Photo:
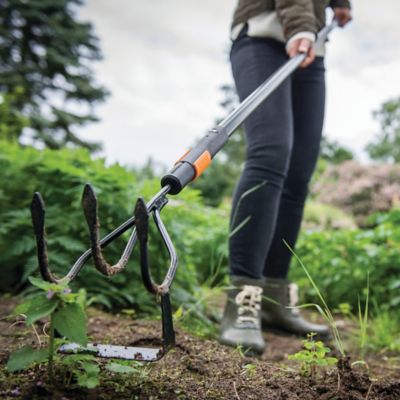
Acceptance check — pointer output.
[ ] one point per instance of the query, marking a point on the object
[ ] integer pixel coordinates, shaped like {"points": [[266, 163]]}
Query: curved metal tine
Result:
{"points": [[89, 204], [38, 217], [142, 227], [169, 277]]}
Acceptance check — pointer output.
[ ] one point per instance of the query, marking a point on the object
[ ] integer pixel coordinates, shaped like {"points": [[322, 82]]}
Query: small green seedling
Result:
{"points": [[66, 311], [249, 370], [313, 356]]}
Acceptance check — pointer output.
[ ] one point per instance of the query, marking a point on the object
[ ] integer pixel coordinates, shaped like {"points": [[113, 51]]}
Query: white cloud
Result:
{"points": [[166, 59]]}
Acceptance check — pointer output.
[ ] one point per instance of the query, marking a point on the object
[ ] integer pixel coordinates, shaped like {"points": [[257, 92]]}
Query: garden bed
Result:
{"points": [[197, 369]]}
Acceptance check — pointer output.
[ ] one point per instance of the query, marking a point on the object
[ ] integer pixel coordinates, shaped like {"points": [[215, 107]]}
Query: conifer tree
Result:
{"points": [[45, 56], [386, 145]]}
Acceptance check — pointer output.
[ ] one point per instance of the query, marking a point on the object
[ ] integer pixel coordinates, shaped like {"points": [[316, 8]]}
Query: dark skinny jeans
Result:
{"points": [[283, 137]]}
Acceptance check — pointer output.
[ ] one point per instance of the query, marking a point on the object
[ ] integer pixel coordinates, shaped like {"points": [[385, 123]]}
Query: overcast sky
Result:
{"points": [[165, 60]]}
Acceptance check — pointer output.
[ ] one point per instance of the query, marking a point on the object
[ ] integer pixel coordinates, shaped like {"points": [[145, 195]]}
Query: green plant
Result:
{"points": [[363, 321], [313, 356], [199, 233], [341, 260], [383, 331], [66, 311], [249, 370], [325, 310], [83, 367], [46, 52]]}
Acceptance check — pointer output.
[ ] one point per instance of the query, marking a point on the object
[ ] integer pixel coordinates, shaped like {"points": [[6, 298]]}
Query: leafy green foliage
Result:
{"points": [[70, 321], [313, 356], [341, 260], [68, 317], [333, 152], [386, 145], [324, 310], [199, 233], [45, 54], [83, 368], [319, 216], [88, 375], [25, 357], [39, 307], [383, 331], [120, 368], [12, 122]]}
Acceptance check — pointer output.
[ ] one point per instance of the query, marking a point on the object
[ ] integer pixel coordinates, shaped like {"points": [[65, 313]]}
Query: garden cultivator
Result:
{"points": [[189, 167]]}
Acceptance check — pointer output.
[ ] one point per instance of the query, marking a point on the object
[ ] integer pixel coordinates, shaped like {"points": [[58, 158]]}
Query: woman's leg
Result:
{"points": [[308, 94], [269, 136], [308, 103], [269, 141]]}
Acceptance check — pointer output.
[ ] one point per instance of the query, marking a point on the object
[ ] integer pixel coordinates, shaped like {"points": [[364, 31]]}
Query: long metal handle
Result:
{"points": [[248, 105], [192, 164]]}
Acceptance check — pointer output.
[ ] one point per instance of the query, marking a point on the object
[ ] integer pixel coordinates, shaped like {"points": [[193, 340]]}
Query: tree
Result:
{"points": [[11, 121], [386, 146], [45, 55], [333, 152]]}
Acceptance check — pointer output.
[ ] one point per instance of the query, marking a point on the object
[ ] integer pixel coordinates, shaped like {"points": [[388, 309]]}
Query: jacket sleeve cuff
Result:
{"points": [[340, 3], [301, 35]]}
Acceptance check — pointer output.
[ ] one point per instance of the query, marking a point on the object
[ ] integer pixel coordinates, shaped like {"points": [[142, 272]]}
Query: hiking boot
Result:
{"points": [[276, 316], [241, 323]]}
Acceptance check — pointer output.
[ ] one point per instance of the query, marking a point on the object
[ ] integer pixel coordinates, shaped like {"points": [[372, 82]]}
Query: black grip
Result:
{"points": [[186, 170], [178, 177]]}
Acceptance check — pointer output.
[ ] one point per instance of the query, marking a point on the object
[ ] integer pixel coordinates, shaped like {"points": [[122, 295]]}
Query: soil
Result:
{"points": [[197, 368]]}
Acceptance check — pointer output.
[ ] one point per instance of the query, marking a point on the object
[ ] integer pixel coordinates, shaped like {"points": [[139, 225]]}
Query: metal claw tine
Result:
{"points": [[89, 204], [142, 229], [38, 217]]}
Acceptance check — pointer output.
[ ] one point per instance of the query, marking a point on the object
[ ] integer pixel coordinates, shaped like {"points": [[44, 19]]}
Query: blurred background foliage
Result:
{"points": [[351, 226], [337, 252], [45, 55], [198, 232]]}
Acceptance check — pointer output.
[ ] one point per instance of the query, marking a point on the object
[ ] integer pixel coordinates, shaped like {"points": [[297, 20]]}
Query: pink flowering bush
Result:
{"points": [[359, 189]]}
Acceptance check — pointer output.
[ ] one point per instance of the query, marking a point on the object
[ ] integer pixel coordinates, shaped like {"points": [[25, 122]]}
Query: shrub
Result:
{"points": [[359, 189], [199, 233], [339, 261], [319, 216]]}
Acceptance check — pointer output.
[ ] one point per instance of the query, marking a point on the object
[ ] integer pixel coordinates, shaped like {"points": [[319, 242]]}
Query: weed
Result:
{"points": [[325, 311], [249, 370], [68, 318], [313, 356], [363, 320], [384, 331], [239, 350]]}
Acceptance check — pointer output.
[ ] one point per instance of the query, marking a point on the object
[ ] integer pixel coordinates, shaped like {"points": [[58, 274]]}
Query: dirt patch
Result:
{"points": [[195, 369]]}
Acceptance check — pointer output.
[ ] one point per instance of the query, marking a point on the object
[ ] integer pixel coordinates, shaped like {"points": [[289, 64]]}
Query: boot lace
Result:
{"points": [[249, 302]]}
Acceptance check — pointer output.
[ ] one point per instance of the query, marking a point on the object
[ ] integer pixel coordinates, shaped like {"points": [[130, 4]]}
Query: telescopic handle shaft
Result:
{"points": [[196, 160], [250, 103]]}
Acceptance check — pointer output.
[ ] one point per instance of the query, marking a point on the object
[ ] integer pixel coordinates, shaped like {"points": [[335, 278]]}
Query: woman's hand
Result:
{"points": [[342, 15], [302, 46]]}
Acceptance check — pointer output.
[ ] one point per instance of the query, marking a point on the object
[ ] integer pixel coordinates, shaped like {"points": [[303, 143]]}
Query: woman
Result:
{"points": [[283, 137]]}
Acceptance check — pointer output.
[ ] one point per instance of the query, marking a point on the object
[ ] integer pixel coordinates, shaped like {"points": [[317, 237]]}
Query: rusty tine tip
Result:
{"points": [[37, 212], [88, 193], [141, 219], [89, 204]]}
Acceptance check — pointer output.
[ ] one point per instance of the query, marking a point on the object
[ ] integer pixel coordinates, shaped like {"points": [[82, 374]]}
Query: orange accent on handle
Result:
{"points": [[186, 153], [202, 163]]}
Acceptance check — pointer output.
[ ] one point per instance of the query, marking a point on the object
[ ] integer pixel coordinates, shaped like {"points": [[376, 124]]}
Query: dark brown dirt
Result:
{"points": [[196, 369]]}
